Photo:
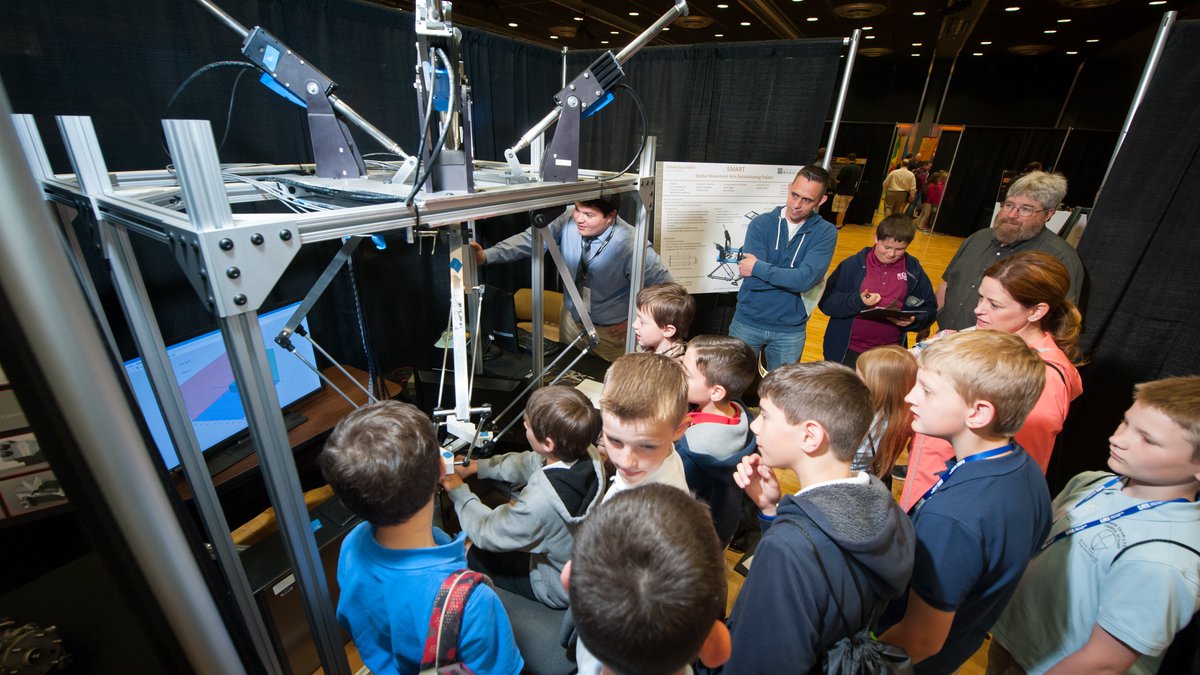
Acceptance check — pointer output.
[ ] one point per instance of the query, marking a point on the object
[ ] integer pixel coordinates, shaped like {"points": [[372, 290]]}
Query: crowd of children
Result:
{"points": [[1100, 579]]}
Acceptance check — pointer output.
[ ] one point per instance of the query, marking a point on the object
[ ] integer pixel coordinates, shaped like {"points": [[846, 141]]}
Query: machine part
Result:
{"points": [[30, 649]]}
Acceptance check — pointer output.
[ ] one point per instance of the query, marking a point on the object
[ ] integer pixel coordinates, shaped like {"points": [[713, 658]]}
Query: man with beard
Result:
{"points": [[1020, 225]]}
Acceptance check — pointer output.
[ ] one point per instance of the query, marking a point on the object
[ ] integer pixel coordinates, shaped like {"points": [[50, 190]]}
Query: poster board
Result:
{"points": [[698, 203]]}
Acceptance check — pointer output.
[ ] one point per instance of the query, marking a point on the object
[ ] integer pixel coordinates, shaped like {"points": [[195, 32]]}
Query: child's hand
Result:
{"points": [[870, 299], [759, 483], [451, 481], [467, 471]]}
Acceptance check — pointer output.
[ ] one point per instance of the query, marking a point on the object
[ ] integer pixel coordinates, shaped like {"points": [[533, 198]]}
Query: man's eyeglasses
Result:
{"points": [[1023, 209]]}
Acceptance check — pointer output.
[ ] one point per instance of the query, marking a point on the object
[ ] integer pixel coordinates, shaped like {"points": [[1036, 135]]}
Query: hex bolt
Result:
{"points": [[239, 299], [285, 235], [226, 244], [233, 273], [256, 239]]}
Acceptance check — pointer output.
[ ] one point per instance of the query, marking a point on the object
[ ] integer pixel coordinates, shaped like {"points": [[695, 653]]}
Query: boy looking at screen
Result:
{"points": [[664, 316]]}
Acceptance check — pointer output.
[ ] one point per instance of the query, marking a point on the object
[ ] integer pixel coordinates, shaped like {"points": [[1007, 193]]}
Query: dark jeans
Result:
{"points": [[509, 570]]}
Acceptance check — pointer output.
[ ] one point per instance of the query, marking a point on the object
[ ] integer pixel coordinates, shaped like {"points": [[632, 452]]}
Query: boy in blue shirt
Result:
{"points": [[977, 527], [1119, 574], [719, 369], [383, 461]]}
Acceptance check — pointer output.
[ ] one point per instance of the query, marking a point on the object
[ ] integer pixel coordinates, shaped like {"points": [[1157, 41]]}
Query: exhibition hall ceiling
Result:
{"points": [[902, 28]]}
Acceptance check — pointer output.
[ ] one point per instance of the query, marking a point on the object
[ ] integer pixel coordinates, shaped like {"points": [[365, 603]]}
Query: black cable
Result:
{"points": [[229, 113], [190, 78], [645, 132], [424, 129], [441, 142]]}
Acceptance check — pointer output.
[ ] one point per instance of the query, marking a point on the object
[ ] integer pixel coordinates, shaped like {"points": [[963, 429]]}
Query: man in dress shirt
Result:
{"points": [[598, 251]]}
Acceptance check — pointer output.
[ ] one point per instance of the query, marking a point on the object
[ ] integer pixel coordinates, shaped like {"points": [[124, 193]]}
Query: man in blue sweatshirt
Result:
{"points": [[787, 253]]}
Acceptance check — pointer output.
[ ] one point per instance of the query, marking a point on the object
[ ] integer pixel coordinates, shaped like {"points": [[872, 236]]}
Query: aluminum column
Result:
{"points": [[843, 91], [645, 201]]}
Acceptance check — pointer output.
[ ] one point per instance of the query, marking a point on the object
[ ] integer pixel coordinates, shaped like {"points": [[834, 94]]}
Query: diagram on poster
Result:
{"points": [[703, 212]]}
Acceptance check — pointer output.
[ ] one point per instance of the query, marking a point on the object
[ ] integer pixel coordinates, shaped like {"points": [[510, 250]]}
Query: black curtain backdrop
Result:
{"points": [[983, 155], [870, 141], [1085, 156], [760, 103]]}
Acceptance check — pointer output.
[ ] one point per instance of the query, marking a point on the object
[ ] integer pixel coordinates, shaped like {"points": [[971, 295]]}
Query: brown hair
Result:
{"points": [[647, 580], [565, 415], [1179, 399], [890, 373], [383, 461], [898, 227], [645, 387], [828, 393], [725, 361], [1034, 277], [816, 173], [670, 304], [988, 365]]}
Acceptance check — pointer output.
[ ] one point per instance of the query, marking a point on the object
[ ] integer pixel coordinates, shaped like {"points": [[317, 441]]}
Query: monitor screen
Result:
{"points": [[206, 378]]}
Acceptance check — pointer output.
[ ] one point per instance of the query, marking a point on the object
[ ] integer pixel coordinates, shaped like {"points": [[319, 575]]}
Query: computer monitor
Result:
{"points": [[210, 394]]}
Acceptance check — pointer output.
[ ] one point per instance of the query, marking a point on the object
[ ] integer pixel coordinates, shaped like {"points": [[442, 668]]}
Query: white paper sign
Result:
{"points": [[699, 203]]}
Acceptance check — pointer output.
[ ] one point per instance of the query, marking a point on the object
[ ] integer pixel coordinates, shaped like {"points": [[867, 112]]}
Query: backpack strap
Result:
{"points": [[1152, 541], [445, 623], [1057, 369]]}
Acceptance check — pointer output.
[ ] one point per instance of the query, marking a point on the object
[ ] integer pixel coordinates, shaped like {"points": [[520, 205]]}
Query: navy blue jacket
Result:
{"points": [[771, 298], [842, 300], [711, 478]]}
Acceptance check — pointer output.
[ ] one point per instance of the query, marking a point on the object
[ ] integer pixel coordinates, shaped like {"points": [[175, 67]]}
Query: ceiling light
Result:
{"points": [[722, 6], [870, 37], [719, 35], [986, 42], [553, 37], [666, 28], [1012, 9], [976, 53], [1064, 21], [918, 44], [604, 42], [811, 19], [512, 24], [633, 14], [1159, 2], [868, 27], [1049, 32], [918, 14], [1093, 40], [915, 54], [745, 23], [614, 32], [1072, 53], [577, 18]]}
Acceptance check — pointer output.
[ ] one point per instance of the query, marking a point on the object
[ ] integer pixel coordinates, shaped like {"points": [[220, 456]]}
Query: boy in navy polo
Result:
{"points": [[980, 524], [883, 275]]}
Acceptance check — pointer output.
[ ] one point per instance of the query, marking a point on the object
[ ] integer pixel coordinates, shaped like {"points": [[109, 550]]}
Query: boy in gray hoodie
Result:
{"points": [[524, 545]]}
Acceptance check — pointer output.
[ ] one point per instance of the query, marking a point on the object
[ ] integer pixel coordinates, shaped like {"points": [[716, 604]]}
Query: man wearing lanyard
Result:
{"points": [[597, 247], [1120, 572], [979, 525]]}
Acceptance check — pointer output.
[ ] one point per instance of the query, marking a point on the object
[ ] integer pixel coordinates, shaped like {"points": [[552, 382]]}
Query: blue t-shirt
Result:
{"points": [[975, 536], [387, 597]]}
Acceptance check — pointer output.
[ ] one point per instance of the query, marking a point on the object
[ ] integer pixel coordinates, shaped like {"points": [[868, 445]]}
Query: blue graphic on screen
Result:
{"points": [[210, 394]]}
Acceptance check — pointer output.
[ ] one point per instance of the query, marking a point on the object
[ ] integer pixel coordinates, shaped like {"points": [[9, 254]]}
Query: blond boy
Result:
{"points": [[643, 411], [664, 316], [980, 524], [1110, 596]]}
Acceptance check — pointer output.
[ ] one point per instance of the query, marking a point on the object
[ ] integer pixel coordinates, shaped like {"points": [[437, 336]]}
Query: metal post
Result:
{"points": [[640, 236], [537, 259], [843, 90], [83, 146], [1160, 43], [47, 303], [195, 156]]}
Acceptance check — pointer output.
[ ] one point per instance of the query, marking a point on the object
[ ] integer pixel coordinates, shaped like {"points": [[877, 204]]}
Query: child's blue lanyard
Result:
{"points": [[995, 452], [1143, 506]]}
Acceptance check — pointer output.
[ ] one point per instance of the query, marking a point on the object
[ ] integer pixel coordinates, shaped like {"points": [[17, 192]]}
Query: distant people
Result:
{"points": [[838, 547], [1116, 578], [847, 186], [890, 372], [979, 525], [1032, 166], [524, 545], [933, 200], [899, 189], [664, 317], [921, 173], [787, 253], [883, 276], [719, 370], [598, 250], [1023, 294], [384, 462], [647, 584], [1020, 225]]}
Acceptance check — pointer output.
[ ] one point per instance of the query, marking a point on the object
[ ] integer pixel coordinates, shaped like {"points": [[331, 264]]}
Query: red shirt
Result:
{"points": [[891, 282]]}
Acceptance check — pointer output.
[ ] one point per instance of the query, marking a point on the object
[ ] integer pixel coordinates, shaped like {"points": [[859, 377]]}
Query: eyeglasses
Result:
{"points": [[1023, 209]]}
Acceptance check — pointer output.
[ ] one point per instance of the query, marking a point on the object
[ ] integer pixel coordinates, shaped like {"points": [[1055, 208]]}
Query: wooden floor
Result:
{"points": [[934, 252]]}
